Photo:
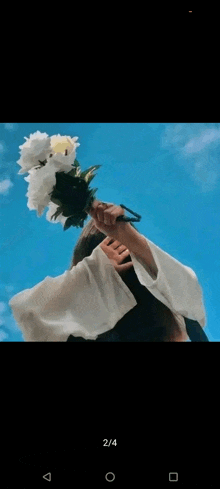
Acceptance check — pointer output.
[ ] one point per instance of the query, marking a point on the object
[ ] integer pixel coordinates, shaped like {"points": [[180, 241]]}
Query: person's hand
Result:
{"points": [[105, 216], [116, 253]]}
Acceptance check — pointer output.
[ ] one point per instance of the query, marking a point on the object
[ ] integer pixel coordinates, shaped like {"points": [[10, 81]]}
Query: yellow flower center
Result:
{"points": [[60, 144]]}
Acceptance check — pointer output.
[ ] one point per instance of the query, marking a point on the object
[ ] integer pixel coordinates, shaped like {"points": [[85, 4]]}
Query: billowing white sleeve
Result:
{"points": [[85, 301], [176, 285]]}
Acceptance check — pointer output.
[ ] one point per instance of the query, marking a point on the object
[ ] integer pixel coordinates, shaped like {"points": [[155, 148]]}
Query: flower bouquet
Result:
{"points": [[56, 181]]}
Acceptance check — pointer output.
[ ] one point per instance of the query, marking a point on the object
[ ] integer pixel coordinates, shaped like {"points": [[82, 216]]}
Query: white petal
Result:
{"points": [[52, 209]]}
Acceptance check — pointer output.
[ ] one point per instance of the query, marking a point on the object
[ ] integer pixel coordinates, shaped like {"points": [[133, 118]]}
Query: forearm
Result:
{"points": [[124, 233], [137, 244]]}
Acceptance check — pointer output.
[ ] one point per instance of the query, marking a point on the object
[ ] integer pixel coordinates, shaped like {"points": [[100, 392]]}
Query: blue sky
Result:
{"points": [[166, 172]]}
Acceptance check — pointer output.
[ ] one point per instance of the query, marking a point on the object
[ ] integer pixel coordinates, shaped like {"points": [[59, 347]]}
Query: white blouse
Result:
{"points": [[92, 297]]}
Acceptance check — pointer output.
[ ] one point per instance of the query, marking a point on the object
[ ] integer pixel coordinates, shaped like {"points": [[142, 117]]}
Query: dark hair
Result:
{"points": [[89, 238], [168, 328]]}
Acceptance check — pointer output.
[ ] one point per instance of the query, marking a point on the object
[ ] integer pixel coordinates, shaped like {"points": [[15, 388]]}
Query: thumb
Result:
{"points": [[92, 210]]}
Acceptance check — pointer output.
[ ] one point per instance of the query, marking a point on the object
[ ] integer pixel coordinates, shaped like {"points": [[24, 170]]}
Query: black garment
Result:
{"points": [[195, 331], [137, 325]]}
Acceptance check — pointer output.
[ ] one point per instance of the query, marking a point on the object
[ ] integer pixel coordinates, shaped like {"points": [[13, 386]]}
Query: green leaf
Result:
{"points": [[88, 202], [90, 169], [67, 224], [84, 173], [56, 200], [89, 174], [95, 167], [90, 179], [76, 163], [57, 213], [72, 172], [93, 191]]}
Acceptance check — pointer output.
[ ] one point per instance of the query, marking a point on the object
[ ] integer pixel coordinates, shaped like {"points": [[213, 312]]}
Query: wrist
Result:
{"points": [[137, 244], [129, 236]]}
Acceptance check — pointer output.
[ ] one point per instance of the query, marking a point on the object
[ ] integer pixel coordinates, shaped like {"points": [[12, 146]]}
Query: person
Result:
{"points": [[120, 287]]}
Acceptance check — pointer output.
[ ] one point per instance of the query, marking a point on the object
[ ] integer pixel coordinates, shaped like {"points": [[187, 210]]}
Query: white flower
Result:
{"points": [[37, 147], [60, 144], [59, 153], [52, 209], [62, 162], [41, 182]]}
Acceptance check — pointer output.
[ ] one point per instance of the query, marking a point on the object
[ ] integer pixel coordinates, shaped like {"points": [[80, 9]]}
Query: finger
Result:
{"points": [[114, 245], [104, 205], [126, 252], [120, 249], [108, 218], [100, 213], [96, 203], [125, 258], [93, 208], [103, 214], [123, 254], [108, 204], [117, 211], [108, 240], [127, 266]]}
